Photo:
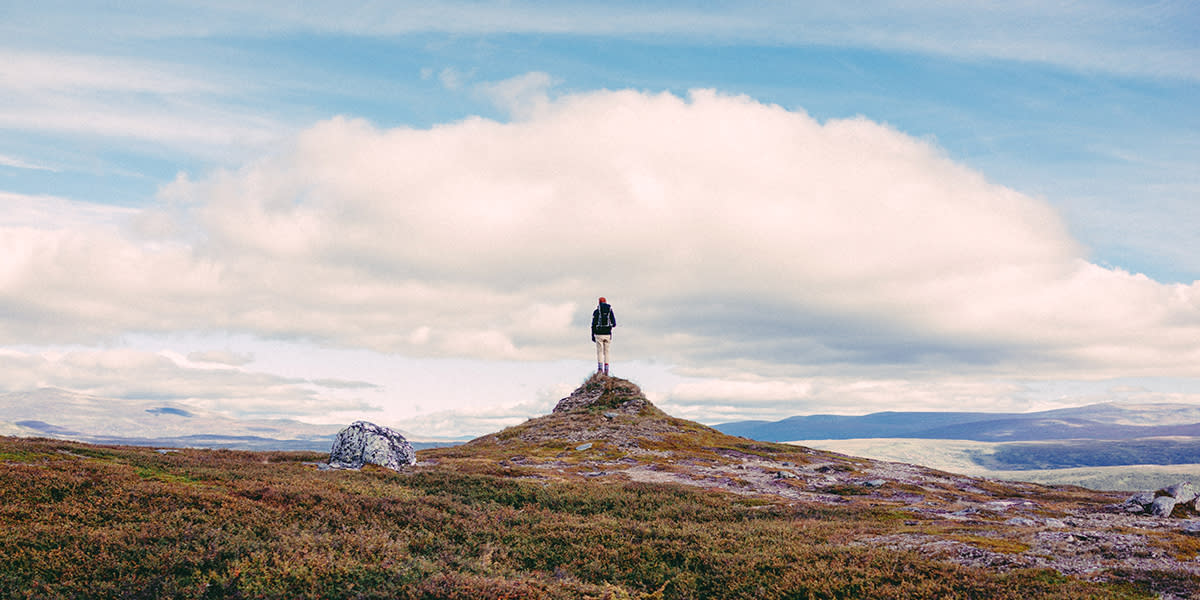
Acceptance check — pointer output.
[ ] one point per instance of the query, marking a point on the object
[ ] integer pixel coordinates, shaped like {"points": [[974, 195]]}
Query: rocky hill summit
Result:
{"points": [[603, 392], [607, 431]]}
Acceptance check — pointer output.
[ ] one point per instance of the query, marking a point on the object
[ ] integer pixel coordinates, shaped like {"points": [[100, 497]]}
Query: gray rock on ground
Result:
{"points": [[1142, 499], [1183, 492], [364, 443], [1163, 502], [1163, 506]]}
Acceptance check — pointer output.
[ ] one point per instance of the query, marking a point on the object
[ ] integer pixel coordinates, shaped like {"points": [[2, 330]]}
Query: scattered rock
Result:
{"points": [[1021, 522], [1162, 506], [583, 447], [611, 415], [1055, 523], [367, 443], [785, 475], [874, 483], [1163, 502]]}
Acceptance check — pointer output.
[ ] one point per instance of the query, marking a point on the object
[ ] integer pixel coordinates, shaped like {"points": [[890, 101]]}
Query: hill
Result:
{"points": [[1097, 421], [606, 497], [65, 415], [60, 414], [1103, 446]]}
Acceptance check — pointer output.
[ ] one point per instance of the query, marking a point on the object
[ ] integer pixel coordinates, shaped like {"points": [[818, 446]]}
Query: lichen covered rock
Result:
{"points": [[364, 443]]}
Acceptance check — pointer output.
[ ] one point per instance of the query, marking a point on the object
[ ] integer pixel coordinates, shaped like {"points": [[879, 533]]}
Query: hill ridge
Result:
{"points": [[1096, 421]]}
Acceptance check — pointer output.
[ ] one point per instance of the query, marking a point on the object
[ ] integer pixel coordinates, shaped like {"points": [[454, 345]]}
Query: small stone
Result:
{"points": [[583, 447], [1162, 506], [1191, 526], [611, 415], [1056, 523], [1021, 522], [874, 483], [785, 475]]}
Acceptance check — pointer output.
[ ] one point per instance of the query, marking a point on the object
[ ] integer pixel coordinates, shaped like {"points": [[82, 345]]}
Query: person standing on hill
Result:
{"points": [[603, 321]]}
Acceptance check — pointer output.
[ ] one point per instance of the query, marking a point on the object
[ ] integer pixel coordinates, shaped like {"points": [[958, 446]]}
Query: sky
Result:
{"points": [[404, 211]]}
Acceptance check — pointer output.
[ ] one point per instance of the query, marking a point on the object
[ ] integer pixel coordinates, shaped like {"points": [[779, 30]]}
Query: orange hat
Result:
{"points": [[603, 299]]}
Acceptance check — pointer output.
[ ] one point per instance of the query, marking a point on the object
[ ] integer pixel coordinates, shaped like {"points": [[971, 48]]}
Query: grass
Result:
{"points": [[114, 522]]}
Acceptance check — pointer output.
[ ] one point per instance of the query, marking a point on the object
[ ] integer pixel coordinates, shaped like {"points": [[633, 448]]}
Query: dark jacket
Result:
{"points": [[601, 325]]}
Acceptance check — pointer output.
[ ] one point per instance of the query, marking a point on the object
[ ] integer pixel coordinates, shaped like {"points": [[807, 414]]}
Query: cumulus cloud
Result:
{"points": [[731, 235], [521, 96]]}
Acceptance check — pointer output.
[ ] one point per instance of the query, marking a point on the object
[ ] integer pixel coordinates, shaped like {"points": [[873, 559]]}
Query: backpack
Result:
{"points": [[605, 318]]}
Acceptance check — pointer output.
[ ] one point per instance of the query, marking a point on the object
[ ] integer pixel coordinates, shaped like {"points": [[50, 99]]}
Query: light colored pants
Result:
{"points": [[602, 344]]}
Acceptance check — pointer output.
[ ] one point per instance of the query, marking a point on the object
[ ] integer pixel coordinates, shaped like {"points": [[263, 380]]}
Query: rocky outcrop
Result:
{"points": [[602, 392], [1163, 503], [364, 443]]}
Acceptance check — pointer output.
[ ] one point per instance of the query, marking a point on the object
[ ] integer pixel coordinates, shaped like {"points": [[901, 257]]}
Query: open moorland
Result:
{"points": [[609, 499]]}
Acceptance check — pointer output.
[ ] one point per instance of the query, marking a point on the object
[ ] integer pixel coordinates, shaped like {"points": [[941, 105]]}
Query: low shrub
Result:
{"points": [[111, 522]]}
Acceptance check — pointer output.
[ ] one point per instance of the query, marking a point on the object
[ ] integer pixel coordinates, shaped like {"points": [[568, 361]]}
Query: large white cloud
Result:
{"points": [[731, 235]]}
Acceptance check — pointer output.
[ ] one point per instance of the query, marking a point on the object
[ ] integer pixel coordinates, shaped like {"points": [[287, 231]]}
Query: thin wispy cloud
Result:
{"points": [[17, 163], [1132, 38]]}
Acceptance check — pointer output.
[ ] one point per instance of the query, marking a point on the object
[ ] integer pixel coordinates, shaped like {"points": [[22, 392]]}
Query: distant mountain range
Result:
{"points": [[60, 414], [1093, 422]]}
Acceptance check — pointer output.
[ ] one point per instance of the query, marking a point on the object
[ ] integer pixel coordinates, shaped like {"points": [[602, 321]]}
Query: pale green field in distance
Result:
{"points": [[960, 456]]}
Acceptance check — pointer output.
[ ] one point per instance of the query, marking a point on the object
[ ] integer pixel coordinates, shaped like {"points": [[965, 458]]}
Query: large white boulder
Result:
{"points": [[365, 443]]}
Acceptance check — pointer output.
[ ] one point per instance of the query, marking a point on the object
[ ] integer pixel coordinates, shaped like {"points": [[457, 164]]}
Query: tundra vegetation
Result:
{"points": [[654, 507]]}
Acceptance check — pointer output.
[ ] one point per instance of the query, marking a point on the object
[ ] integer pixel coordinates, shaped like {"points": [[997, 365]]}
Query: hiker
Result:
{"points": [[603, 321]]}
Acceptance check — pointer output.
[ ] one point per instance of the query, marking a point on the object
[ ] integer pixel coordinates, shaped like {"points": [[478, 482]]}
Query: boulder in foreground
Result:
{"points": [[364, 443]]}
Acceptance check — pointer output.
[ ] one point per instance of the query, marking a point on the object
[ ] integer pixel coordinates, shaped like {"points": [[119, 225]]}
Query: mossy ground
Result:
{"points": [[87, 522], [569, 505]]}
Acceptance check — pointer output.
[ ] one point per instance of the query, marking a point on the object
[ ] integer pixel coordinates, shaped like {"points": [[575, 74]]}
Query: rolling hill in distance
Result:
{"points": [[1096, 421], [65, 415], [1101, 446]]}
